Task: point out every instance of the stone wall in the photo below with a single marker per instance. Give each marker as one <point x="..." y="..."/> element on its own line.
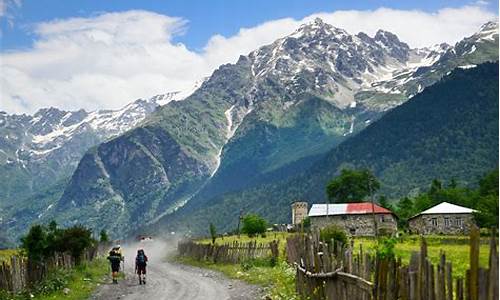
<point x="441" y="224"/>
<point x="359" y="225"/>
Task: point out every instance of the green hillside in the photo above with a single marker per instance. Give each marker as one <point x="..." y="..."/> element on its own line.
<point x="450" y="130"/>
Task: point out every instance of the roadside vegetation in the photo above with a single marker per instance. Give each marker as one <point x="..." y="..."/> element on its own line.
<point x="40" y="245"/>
<point x="73" y="284"/>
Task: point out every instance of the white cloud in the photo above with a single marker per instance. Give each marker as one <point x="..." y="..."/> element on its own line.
<point x="108" y="60"/>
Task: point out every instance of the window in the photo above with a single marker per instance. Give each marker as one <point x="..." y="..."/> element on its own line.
<point x="447" y="222"/>
<point x="434" y="222"/>
<point x="459" y="222"/>
<point x="352" y="231"/>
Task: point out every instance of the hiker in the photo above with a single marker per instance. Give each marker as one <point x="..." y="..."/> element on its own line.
<point x="140" y="265"/>
<point x="115" y="258"/>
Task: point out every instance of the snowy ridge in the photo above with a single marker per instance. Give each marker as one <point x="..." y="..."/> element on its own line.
<point x="50" y="130"/>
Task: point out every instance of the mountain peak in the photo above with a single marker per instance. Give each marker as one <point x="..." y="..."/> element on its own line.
<point x="317" y="27"/>
<point x="488" y="31"/>
<point x="488" y="26"/>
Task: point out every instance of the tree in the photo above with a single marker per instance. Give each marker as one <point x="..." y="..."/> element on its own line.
<point x="405" y="210"/>
<point x="488" y="184"/>
<point x="253" y="224"/>
<point x="103" y="236"/>
<point x="75" y="240"/>
<point x="352" y="186"/>
<point x="453" y="183"/>
<point x="213" y="232"/>
<point x="53" y="239"/>
<point x="487" y="200"/>
<point x="34" y="244"/>
<point x="436" y="186"/>
<point x="487" y="212"/>
<point x="382" y="201"/>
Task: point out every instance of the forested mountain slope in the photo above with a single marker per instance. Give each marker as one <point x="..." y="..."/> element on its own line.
<point x="450" y="130"/>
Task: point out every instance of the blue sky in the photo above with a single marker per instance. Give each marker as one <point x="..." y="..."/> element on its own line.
<point x="103" y="54"/>
<point x="205" y="18"/>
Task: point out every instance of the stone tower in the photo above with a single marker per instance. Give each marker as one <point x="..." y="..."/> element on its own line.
<point x="299" y="212"/>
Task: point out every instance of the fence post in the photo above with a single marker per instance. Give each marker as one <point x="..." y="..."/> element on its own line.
<point x="493" y="268"/>
<point x="474" y="263"/>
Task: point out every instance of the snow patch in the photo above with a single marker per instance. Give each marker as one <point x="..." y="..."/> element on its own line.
<point x="465" y="67"/>
<point x="229" y="118"/>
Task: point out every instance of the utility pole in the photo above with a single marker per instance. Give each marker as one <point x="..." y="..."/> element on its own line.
<point x="373" y="207"/>
<point x="327" y="206"/>
<point x="239" y="221"/>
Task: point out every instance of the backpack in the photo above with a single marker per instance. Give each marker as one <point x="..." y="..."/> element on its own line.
<point x="141" y="259"/>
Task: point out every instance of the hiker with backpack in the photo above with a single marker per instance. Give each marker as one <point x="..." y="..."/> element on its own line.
<point x="115" y="257"/>
<point x="140" y="265"/>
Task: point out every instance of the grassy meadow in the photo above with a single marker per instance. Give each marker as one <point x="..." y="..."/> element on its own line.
<point x="456" y="252"/>
<point x="6" y="254"/>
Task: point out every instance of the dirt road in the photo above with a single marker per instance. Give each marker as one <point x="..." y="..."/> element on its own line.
<point x="173" y="281"/>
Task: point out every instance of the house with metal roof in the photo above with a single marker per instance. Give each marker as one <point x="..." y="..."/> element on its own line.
<point x="357" y="219"/>
<point x="444" y="218"/>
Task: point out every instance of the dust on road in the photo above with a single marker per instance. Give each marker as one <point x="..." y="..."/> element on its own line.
<point x="165" y="280"/>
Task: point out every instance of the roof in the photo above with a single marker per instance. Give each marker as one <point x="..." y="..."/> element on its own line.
<point x="359" y="208"/>
<point x="446" y="208"/>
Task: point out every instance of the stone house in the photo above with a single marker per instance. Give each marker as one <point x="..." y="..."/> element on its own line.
<point x="444" y="218"/>
<point x="357" y="219"/>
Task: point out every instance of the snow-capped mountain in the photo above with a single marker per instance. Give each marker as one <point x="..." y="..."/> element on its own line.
<point x="431" y="64"/>
<point x="38" y="151"/>
<point x="271" y="114"/>
<point x="50" y="130"/>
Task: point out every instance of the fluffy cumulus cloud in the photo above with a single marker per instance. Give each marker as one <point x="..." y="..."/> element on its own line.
<point x="108" y="60"/>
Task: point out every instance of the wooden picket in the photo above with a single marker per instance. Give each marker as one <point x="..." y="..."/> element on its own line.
<point x="234" y="252"/>
<point x="20" y="273"/>
<point x="326" y="272"/>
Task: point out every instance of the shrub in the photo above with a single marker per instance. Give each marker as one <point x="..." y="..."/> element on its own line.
<point x="253" y="225"/>
<point x="335" y="233"/>
<point x="41" y="242"/>
<point x="75" y="240"/>
<point x="213" y="232"/>
<point x="258" y="262"/>
<point x="385" y="248"/>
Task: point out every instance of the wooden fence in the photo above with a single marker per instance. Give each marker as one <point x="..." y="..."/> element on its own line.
<point x="20" y="273"/>
<point x="234" y="252"/>
<point x="324" y="271"/>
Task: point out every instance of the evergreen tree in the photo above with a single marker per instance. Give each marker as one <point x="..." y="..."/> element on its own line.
<point x="213" y="232"/>
<point x="352" y="186"/>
